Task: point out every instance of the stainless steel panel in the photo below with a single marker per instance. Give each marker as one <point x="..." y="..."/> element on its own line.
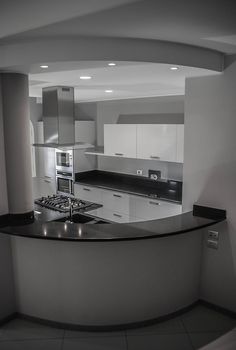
<point x="58" y="115"/>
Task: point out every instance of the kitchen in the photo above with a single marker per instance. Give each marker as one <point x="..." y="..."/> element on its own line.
<point x="137" y="199"/>
<point x="58" y="170"/>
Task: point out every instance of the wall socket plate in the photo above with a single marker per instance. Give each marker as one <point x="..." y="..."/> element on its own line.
<point x="212" y="239"/>
<point x="213" y="235"/>
<point x="212" y="244"/>
<point x="139" y="172"/>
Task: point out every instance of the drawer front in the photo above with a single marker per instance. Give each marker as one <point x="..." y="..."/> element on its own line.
<point x="116" y="201"/>
<point x="88" y="193"/>
<point x="149" y="209"/>
<point x="111" y="215"/>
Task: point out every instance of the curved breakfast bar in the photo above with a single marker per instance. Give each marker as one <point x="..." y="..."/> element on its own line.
<point x="109" y="275"/>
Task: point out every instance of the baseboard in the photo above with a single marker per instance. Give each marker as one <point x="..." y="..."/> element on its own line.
<point x="108" y="328"/>
<point x="218" y="308"/>
<point x="8" y="318"/>
<point x="119" y="327"/>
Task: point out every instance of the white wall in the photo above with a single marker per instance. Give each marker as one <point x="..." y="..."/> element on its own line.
<point x="210" y="174"/>
<point x="108" y="112"/>
<point x="3" y="184"/>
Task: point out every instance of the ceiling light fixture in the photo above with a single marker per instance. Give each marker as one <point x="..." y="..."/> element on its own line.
<point x="108" y="91"/>
<point x="85" y="77"/>
<point x="174" y="68"/>
<point x="44" y="66"/>
<point x="111" y="64"/>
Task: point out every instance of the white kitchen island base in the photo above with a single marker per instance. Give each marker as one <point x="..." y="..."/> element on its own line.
<point x="106" y="283"/>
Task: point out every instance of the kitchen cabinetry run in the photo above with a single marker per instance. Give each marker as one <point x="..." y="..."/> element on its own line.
<point x="120" y="140"/>
<point x="123" y="207"/>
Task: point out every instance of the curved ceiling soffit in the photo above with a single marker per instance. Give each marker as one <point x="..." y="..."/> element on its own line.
<point x="140" y="50"/>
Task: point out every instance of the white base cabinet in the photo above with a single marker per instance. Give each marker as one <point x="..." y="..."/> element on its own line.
<point x="123" y="207"/>
<point x="88" y="193"/>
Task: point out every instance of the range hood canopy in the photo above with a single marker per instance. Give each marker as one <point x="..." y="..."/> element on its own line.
<point x="58" y="119"/>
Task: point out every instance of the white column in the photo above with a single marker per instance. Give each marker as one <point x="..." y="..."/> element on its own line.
<point x="15" y="100"/>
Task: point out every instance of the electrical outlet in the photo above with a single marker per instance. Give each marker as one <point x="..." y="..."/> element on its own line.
<point x="213" y="235"/>
<point x="212" y="244"/>
<point x="139" y="172"/>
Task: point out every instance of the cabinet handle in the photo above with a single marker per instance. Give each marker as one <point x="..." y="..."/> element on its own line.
<point x="47" y="177"/>
<point x="154" y="203"/>
<point x="117" y="195"/>
<point x="154" y="157"/>
<point x="48" y="181"/>
<point x="117" y="215"/>
<point x="86" y="189"/>
<point x="119" y="154"/>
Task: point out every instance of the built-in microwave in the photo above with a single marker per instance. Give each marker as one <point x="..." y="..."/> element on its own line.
<point x="64" y="160"/>
<point x="65" y="183"/>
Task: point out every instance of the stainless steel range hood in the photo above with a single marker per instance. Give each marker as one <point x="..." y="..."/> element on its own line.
<point x="58" y="119"/>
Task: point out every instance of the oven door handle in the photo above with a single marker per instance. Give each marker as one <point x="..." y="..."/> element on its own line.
<point x="71" y="187"/>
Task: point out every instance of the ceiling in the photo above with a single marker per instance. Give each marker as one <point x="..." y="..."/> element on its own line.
<point x="209" y="24"/>
<point x="24" y="15"/>
<point x="205" y="23"/>
<point x="126" y="79"/>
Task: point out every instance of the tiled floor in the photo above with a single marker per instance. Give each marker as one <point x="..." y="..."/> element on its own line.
<point x="199" y="328"/>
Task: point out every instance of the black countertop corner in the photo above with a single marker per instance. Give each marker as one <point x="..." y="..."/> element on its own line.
<point x="170" y="190"/>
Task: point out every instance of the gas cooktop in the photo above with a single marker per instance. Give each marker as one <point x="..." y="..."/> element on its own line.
<point x="61" y="203"/>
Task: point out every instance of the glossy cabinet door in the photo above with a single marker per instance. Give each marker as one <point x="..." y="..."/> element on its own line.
<point x="46" y="169"/>
<point x="151" y="209"/>
<point x="157" y="142"/>
<point x="111" y="215"/>
<point x="120" y="140"/>
<point x="116" y="201"/>
<point x="88" y="193"/>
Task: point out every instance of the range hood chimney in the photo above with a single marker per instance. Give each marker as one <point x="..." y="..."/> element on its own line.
<point x="58" y="119"/>
<point x="58" y="115"/>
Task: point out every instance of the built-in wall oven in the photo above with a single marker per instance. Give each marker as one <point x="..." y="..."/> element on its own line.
<point x="64" y="160"/>
<point x="64" y="172"/>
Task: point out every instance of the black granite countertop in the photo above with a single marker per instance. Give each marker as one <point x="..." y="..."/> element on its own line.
<point x="43" y="228"/>
<point x="170" y="190"/>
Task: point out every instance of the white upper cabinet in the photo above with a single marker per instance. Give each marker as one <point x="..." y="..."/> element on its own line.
<point x="157" y="142"/>
<point x="120" y="140"/>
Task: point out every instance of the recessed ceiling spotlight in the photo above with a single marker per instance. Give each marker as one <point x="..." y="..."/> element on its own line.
<point x="44" y="66"/>
<point x="174" y="68"/>
<point x="85" y="77"/>
<point x="111" y="64"/>
<point x="108" y="91"/>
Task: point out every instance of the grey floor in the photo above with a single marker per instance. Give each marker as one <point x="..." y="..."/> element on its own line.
<point x="193" y="330"/>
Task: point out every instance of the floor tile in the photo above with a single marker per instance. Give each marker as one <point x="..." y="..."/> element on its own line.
<point x="200" y="339"/>
<point x="79" y="334"/>
<point x="202" y="319"/>
<point x="95" y="343"/>
<point x="19" y="329"/>
<point x="46" y="344"/>
<point x="159" y="342"/>
<point x="167" y="327"/>
<point x="225" y="342"/>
